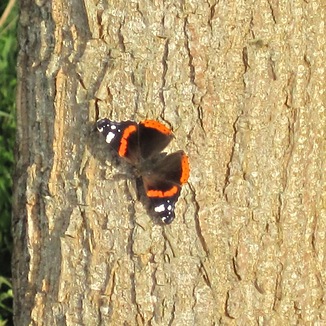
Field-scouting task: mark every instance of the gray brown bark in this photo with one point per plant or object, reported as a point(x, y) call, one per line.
point(242, 85)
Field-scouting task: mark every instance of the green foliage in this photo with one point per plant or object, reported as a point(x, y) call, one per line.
point(8, 54)
point(5, 297)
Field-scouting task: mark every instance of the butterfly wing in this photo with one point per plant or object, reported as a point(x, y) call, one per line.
point(163, 184)
point(122, 137)
point(153, 138)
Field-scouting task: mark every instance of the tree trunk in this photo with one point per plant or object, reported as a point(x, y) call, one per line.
point(242, 86)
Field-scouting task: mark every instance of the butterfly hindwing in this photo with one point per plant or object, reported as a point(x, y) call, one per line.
point(154, 138)
point(173, 167)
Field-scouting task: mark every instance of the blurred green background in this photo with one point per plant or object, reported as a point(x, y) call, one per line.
point(8, 56)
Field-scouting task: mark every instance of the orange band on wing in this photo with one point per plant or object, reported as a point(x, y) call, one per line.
point(162, 194)
point(124, 140)
point(185, 169)
point(157, 125)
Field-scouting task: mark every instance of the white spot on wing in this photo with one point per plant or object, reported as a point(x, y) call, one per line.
point(100, 129)
point(159, 209)
point(110, 137)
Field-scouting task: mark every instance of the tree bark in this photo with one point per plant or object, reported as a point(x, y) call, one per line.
point(242, 86)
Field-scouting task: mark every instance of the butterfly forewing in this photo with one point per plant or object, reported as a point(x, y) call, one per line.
point(122, 137)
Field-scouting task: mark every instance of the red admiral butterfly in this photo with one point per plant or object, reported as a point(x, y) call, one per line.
point(141, 145)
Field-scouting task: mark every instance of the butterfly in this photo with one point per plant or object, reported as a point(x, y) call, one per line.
point(141, 145)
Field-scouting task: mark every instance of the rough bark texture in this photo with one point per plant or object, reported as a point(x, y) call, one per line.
point(242, 85)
